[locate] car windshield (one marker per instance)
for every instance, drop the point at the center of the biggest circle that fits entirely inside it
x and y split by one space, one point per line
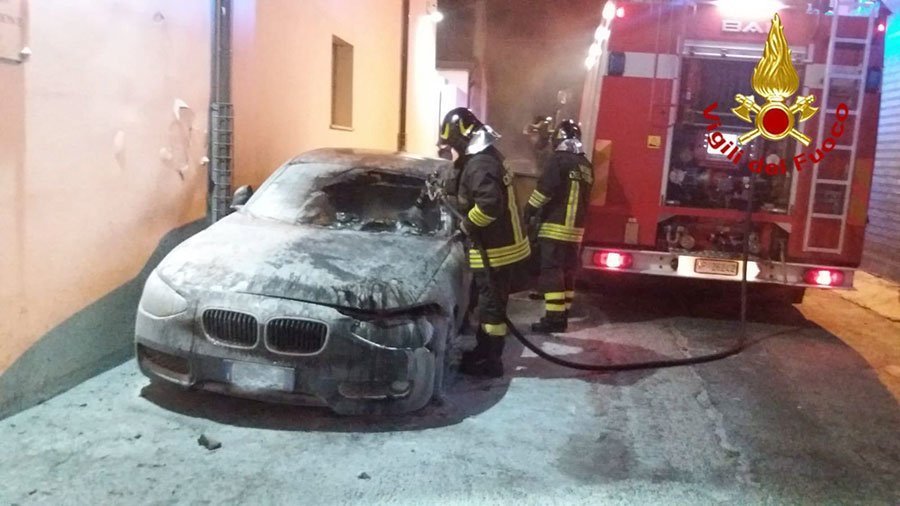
362 199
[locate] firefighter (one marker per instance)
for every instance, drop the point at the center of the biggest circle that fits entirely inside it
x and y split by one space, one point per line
557 209
539 133
487 200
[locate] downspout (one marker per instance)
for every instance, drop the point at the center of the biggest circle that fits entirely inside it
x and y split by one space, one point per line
221 113
479 54
404 75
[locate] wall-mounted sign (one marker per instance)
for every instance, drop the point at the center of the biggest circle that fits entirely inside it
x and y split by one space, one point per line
12 29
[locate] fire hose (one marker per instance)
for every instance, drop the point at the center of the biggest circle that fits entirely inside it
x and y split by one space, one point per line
743 342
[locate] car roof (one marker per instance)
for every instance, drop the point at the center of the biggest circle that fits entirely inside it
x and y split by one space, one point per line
401 163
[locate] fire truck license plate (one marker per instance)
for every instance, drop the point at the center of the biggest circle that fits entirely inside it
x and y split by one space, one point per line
716 267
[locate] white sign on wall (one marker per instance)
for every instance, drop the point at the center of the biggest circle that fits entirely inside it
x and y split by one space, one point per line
12 29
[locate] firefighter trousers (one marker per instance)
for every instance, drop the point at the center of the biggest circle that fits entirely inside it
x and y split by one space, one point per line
492 300
559 262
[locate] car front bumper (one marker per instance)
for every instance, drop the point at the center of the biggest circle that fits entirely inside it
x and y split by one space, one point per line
349 375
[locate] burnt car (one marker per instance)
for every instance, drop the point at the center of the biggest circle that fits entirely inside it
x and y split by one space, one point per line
323 289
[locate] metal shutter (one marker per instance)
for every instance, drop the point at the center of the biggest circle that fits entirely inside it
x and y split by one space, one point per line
883 231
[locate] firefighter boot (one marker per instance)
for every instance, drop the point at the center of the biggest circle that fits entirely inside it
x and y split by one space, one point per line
485 360
480 350
551 323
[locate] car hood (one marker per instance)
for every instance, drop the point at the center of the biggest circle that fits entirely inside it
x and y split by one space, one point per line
362 270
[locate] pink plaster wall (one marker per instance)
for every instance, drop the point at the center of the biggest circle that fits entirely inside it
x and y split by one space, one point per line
103 168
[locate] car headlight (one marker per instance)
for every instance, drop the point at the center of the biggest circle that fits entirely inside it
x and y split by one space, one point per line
161 300
396 333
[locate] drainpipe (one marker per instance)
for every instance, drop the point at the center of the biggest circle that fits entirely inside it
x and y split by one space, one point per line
221 113
479 54
404 75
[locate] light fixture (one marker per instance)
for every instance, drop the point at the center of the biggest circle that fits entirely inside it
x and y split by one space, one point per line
757 9
620 12
882 27
593 56
431 10
602 33
609 10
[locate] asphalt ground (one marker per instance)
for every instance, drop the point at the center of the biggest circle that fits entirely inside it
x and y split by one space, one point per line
801 418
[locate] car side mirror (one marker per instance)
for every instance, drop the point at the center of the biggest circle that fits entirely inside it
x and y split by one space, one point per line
241 196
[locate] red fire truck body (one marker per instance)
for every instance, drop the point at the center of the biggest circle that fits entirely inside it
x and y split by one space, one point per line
668 203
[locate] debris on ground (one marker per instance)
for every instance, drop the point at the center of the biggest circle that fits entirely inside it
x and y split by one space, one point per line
364 476
209 443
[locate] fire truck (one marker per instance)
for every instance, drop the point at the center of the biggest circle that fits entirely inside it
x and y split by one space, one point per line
668 201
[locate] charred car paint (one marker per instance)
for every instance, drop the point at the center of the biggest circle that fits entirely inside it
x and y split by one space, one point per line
320 290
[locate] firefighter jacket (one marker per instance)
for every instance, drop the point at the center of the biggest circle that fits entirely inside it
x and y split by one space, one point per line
562 196
487 199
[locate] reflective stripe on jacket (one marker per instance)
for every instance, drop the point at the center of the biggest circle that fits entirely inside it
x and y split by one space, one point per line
563 193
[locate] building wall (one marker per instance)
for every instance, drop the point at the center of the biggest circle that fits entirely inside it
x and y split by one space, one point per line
423 107
12 155
282 87
95 169
883 230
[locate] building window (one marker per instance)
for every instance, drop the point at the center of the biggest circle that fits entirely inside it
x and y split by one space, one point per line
341 84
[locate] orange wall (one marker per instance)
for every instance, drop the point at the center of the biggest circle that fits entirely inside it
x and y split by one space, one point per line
282 85
12 153
103 168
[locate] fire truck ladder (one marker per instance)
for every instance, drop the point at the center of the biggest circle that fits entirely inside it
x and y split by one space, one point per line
829 198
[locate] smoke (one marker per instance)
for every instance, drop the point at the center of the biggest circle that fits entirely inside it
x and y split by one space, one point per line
534 49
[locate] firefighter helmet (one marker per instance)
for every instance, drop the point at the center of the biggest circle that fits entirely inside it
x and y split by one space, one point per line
567 129
458 128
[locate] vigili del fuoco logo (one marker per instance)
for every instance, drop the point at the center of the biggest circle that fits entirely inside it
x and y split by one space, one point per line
776 80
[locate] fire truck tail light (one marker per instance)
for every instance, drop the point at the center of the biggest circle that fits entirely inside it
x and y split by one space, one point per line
620 13
824 277
613 260
609 11
882 27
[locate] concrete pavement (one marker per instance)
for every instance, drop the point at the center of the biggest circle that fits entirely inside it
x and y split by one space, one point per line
873 336
797 419
878 294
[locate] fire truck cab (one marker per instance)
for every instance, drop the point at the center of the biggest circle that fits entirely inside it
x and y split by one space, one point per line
670 198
